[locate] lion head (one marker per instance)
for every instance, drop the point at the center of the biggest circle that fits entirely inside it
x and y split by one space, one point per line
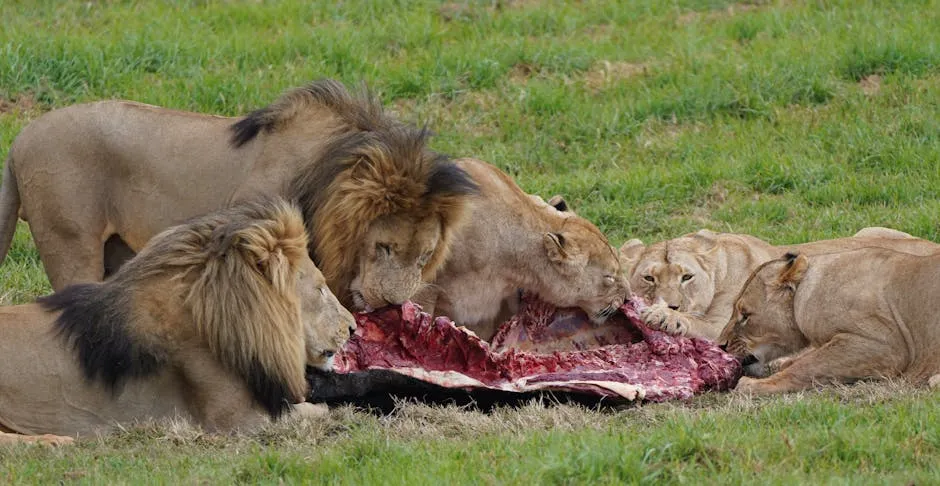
678 271
238 280
762 323
381 207
581 258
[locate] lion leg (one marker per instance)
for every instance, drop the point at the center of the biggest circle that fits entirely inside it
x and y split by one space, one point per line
69 257
220 401
844 359
46 439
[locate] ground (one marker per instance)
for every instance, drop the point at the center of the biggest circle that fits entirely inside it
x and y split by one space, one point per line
790 120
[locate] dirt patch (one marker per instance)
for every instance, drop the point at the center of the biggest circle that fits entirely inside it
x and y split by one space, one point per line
713 15
521 73
660 134
871 84
605 73
22 104
454 11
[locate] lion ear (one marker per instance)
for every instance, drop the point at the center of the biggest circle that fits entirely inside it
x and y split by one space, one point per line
562 251
558 202
793 271
630 253
265 256
555 247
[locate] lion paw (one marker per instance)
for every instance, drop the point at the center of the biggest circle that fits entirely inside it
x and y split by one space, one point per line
755 386
934 381
309 410
660 316
47 439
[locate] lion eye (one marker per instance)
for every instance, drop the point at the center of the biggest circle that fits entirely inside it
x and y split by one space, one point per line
609 280
383 249
687 277
649 278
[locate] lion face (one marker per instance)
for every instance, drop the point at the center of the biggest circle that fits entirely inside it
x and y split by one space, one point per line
683 282
588 273
327 324
762 323
392 260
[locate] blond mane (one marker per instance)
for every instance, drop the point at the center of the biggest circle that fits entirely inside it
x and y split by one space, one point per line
233 273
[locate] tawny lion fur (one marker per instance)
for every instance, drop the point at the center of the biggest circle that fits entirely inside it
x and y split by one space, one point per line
214 321
868 313
362 179
514 241
691 281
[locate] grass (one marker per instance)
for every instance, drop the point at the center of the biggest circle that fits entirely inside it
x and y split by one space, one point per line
789 120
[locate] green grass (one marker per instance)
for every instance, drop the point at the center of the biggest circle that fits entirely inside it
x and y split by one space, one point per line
789 120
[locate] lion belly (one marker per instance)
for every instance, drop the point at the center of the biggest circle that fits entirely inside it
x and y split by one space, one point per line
43 391
90 171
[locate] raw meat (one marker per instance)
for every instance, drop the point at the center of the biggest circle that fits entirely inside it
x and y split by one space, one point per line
540 349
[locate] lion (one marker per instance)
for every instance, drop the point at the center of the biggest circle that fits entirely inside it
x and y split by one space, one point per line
691 281
839 317
214 321
96 181
513 241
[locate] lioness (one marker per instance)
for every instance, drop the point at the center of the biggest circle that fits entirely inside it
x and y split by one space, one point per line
513 241
841 317
691 281
100 179
214 321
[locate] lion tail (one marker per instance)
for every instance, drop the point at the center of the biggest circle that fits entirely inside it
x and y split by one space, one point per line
9 208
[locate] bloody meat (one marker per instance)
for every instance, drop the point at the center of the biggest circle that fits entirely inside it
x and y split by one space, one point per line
540 349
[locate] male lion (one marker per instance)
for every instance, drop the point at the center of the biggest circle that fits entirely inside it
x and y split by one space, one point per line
215 321
513 241
98 180
839 317
691 281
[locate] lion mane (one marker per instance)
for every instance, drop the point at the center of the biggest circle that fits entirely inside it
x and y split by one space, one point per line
238 265
382 167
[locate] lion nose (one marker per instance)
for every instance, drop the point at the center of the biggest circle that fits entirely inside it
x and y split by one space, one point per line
352 330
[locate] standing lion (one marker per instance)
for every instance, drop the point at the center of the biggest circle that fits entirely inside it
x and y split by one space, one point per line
96 181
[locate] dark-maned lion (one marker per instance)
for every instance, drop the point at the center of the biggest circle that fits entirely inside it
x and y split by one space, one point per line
214 321
839 317
95 179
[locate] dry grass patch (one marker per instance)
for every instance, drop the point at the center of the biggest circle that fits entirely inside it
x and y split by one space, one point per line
871 84
521 73
659 134
468 113
720 14
415 421
606 73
